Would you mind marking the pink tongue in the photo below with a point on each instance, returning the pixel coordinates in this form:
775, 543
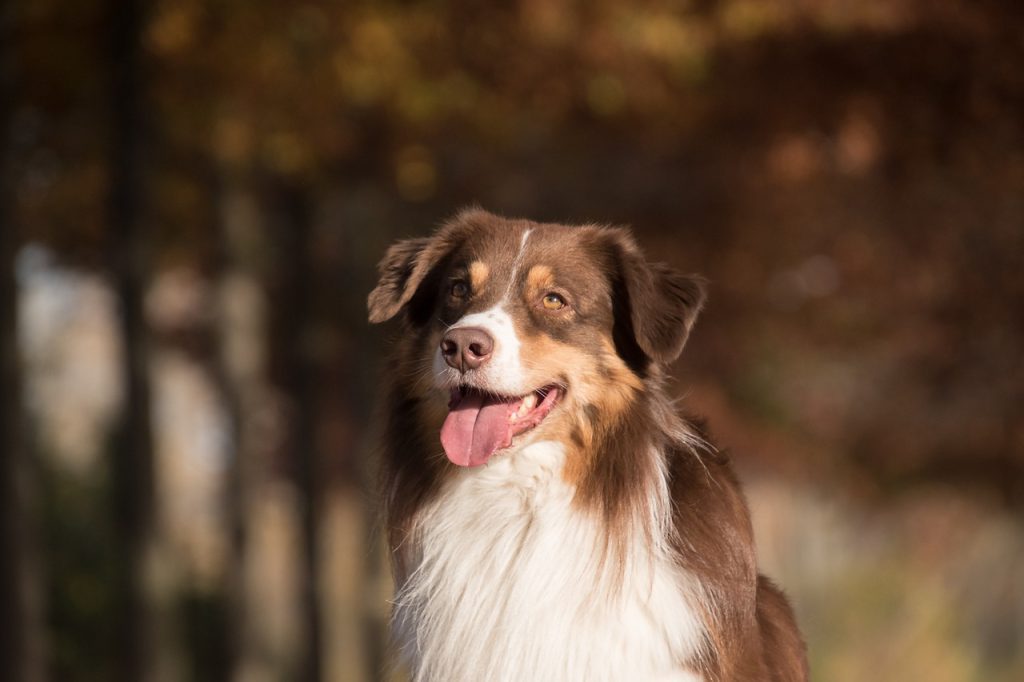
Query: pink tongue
475, 428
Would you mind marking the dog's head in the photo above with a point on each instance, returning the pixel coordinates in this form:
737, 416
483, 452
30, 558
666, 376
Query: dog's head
531, 330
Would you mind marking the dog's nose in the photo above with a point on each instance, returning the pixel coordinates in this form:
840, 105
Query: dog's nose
466, 348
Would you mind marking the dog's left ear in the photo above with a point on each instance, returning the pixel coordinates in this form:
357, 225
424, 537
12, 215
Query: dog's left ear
655, 306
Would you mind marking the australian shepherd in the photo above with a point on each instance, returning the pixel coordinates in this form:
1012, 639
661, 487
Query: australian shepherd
550, 517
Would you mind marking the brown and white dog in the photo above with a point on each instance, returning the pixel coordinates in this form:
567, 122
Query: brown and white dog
550, 516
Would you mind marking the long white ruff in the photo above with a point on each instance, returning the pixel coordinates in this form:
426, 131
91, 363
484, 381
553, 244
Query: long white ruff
511, 583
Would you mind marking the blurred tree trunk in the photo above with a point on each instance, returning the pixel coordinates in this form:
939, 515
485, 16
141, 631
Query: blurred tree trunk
133, 462
228, 383
295, 332
235, 376
20, 627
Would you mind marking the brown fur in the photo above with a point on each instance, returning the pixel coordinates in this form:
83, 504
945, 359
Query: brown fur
626, 320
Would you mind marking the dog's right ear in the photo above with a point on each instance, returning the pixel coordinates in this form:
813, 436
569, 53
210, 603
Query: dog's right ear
399, 278
407, 265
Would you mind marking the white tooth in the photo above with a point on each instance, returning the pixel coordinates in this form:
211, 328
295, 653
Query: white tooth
529, 402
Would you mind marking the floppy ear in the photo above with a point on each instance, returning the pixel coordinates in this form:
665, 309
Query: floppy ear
408, 263
654, 305
399, 278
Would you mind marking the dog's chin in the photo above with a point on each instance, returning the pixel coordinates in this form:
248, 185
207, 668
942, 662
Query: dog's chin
481, 424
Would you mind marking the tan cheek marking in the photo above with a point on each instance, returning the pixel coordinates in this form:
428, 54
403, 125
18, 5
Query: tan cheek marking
547, 359
478, 272
539, 277
607, 395
551, 359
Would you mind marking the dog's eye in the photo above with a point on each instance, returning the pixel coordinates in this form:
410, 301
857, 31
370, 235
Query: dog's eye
459, 289
553, 301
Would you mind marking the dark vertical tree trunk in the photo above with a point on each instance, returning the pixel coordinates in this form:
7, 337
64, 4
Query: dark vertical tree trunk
295, 321
11, 522
14, 618
12, 608
20, 635
229, 386
132, 465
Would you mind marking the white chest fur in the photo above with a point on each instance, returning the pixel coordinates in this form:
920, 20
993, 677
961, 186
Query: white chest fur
508, 584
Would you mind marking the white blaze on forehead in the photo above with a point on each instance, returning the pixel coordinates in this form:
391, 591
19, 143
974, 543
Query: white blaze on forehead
503, 373
516, 264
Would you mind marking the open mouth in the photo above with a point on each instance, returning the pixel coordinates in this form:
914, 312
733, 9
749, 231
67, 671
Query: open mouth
479, 424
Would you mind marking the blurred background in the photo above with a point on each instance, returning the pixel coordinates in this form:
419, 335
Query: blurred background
195, 195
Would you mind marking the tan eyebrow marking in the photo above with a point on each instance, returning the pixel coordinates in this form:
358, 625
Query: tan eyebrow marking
539, 277
478, 272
